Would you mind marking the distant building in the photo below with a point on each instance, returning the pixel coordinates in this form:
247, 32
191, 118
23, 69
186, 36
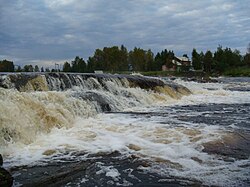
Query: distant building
181, 61
179, 64
165, 68
98, 72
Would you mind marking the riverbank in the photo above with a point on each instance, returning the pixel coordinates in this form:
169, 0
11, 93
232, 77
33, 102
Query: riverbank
232, 72
238, 72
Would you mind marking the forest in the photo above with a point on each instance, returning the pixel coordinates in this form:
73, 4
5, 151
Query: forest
119, 59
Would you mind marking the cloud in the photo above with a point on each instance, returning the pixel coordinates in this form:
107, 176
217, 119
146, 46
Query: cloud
58, 30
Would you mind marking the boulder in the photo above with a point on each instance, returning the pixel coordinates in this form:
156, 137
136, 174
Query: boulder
1, 160
6, 180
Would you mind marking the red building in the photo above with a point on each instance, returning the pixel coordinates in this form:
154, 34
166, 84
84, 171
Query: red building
179, 64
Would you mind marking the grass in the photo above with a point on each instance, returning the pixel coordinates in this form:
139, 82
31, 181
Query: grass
238, 72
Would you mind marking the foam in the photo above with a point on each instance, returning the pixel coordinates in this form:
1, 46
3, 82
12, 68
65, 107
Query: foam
80, 128
109, 171
207, 93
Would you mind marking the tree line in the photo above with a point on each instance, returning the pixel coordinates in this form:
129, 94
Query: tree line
221, 60
8, 66
114, 59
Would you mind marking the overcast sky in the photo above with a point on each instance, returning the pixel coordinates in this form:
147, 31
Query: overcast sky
47, 31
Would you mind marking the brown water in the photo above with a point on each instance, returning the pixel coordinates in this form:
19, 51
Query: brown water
121, 135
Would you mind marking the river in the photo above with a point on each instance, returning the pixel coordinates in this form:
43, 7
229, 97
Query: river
124, 131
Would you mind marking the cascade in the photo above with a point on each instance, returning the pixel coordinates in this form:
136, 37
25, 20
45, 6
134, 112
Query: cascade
35, 103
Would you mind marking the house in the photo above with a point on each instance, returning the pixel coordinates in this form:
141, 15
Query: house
179, 64
181, 61
166, 68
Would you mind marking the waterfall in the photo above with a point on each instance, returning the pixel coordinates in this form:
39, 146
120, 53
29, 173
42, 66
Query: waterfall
31, 104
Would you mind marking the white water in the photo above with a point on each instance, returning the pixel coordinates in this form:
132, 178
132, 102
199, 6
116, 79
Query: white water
26, 115
69, 125
214, 93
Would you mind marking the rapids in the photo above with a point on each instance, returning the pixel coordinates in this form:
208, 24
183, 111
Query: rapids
124, 130
37, 103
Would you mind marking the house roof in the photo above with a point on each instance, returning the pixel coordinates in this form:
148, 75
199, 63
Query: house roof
183, 58
176, 62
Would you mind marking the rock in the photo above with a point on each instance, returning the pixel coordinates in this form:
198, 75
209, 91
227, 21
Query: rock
101, 100
201, 79
6, 179
1, 160
197, 159
234, 145
49, 152
44, 81
134, 147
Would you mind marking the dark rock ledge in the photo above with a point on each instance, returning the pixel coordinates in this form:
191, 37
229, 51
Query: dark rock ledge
6, 179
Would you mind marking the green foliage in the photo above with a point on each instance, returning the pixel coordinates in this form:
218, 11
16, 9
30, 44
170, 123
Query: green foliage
28, 68
119, 59
78, 65
223, 60
19, 69
247, 59
90, 64
36, 68
138, 59
226, 58
185, 55
164, 58
237, 72
66, 67
208, 59
197, 60
6, 66
109, 59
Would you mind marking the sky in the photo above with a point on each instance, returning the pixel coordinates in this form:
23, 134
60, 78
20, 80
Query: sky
45, 32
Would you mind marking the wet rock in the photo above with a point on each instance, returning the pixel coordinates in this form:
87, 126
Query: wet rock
145, 164
6, 179
234, 145
93, 172
1, 160
168, 163
134, 147
196, 159
200, 79
49, 152
102, 101
64, 81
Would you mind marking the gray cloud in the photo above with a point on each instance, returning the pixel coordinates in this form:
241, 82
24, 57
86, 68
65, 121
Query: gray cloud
47, 31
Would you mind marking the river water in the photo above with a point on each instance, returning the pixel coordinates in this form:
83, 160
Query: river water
137, 137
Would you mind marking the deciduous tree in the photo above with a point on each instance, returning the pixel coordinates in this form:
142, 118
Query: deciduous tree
6, 66
66, 67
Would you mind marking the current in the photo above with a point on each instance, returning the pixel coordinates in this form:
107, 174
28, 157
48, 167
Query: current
111, 130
